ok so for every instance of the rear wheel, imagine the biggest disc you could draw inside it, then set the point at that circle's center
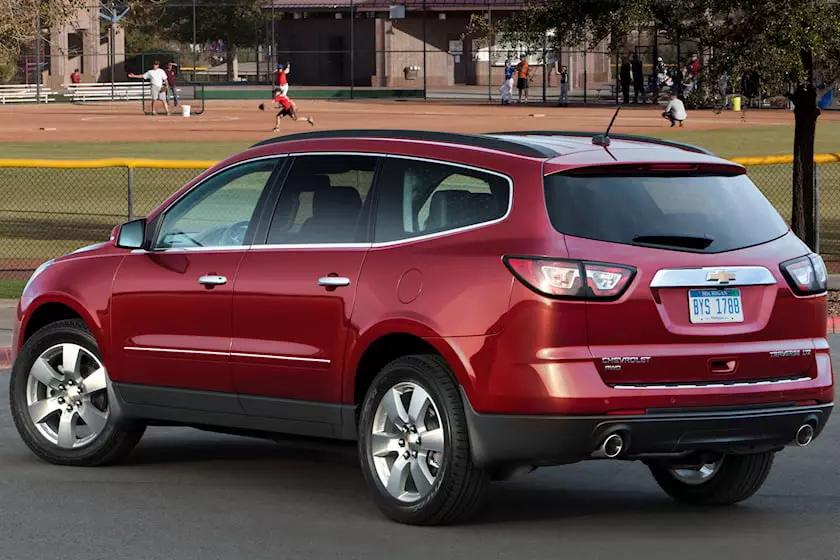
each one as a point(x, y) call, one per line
point(414, 445)
point(722, 482)
point(58, 393)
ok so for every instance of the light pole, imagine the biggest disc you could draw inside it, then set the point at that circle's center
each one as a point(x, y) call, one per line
point(195, 42)
point(38, 57)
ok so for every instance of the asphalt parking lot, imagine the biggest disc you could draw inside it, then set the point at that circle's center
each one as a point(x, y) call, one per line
point(186, 494)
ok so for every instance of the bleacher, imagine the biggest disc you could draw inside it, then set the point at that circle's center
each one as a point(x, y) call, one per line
point(25, 94)
point(119, 91)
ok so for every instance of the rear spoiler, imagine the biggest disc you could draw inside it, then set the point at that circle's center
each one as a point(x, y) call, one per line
point(655, 169)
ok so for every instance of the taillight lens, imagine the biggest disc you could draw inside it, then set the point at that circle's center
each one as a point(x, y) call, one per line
point(806, 275)
point(564, 278)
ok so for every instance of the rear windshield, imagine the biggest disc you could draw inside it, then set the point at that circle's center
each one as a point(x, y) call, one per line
point(708, 214)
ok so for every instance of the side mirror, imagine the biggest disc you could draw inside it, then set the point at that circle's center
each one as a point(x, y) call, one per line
point(132, 235)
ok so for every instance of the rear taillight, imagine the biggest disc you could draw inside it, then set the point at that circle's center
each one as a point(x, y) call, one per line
point(563, 278)
point(806, 275)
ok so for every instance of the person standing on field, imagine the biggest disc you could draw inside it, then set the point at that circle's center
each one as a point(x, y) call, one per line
point(172, 81)
point(506, 90)
point(638, 79)
point(563, 73)
point(157, 79)
point(624, 77)
point(522, 81)
point(282, 77)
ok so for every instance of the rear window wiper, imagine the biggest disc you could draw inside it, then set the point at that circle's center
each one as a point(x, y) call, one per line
point(683, 241)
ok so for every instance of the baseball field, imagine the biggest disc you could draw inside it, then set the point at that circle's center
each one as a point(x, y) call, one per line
point(45, 212)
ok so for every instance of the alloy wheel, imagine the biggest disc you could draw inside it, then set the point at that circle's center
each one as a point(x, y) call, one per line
point(407, 442)
point(66, 396)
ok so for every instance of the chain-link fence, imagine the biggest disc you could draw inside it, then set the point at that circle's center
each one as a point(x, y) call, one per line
point(51, 208)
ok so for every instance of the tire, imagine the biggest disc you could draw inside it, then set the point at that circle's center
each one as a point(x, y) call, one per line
point(457, 486)
point(96, 443)
point(736, 478)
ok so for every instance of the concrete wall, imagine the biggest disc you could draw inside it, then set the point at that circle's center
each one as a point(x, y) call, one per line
point(318, 49)
point(94, 57)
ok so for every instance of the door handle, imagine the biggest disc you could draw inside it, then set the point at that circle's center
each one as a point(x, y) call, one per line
point(212, 280)
point(333, 281)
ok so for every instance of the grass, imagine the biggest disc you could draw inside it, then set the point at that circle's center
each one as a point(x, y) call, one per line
point(754, 141)
point(730, 143)
point(11, 289)
point(93, 150)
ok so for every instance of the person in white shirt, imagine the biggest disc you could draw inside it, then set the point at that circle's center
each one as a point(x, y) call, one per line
point(157, 78)
point(674, 111)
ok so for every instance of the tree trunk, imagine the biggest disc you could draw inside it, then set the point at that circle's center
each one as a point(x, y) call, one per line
point(231, 57)
point(804, 216)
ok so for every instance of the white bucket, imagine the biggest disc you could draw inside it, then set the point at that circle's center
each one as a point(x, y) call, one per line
point(185, 110)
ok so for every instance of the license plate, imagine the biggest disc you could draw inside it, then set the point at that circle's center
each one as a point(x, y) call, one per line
point(715, 306)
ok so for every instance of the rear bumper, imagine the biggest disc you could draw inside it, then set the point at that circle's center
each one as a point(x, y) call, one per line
point(498, 439)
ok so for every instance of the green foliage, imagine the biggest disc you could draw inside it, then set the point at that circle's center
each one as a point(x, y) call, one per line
point(236, 22)
point(8, 67)
point(742, 36)
point(17, 19)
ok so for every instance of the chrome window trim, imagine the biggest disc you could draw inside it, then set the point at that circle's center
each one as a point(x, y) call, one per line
point(383, 244)
point(711, 385)
point(696, 277)
point(377, 245)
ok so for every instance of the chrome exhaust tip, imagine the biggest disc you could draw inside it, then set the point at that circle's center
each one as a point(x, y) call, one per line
point(804, 435)
point(611, 447)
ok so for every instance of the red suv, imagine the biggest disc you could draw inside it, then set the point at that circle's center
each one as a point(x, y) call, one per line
point(466, 307)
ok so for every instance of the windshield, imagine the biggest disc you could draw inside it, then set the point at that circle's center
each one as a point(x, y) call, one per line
point(707, 214)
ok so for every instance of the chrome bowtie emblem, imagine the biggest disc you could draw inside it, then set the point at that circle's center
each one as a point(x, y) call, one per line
point(720, 276)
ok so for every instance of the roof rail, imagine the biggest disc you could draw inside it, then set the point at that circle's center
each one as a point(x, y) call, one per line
point(627, 137)
point(481, 141)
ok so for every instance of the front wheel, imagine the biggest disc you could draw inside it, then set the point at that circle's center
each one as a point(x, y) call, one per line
point(722, 482)
point(414, 446)
point(59, 399)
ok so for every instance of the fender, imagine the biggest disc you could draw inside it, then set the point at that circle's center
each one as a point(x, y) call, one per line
point(29, 307)
point(64, 283)
point(359, 342)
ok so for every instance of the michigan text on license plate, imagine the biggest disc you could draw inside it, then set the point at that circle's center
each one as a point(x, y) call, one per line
point(715, 306)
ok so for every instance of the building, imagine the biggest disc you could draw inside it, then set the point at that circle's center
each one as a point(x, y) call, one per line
point(383, 43)
point(82, 43)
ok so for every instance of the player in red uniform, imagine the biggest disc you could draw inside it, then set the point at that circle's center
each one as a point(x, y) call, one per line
point(282, 78)
point(287, 108)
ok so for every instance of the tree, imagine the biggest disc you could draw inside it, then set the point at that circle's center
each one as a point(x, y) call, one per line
point(17, 19)
point(236, 22)
point(792, 47)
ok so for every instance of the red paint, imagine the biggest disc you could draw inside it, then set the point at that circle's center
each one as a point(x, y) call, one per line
point(158, 304)
point(281, 311)
point(512, 350)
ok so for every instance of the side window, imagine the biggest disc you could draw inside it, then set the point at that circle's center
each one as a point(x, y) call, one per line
point(322, 200)
point(419, 198)
point(219, 211)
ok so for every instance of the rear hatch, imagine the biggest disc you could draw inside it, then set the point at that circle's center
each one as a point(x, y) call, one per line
point(713, 267)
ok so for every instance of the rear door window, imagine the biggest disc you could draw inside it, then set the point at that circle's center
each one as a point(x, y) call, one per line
point(417, 198)
point(709, 214)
